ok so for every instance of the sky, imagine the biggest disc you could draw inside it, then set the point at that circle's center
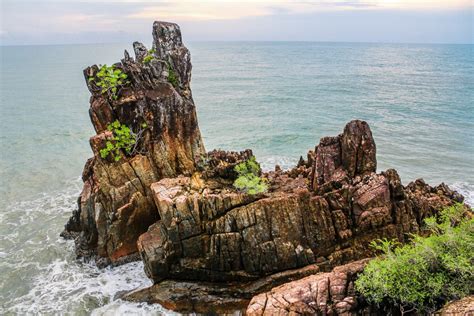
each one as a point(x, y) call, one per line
point(24, 22)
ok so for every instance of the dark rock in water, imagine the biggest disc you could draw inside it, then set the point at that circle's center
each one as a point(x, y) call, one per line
point(209, 247)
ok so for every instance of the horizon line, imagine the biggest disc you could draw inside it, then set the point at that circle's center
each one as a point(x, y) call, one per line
point(244, 41)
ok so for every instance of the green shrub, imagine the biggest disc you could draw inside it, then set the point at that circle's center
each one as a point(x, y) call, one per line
point(110, 80)
point(150, 56)
point(248, 179)
point(124, 139)
point(426, 273)
point(172, 78)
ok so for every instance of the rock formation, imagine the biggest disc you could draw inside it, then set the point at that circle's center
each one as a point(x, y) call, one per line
point(217, 234)
point(208, 246)
point(116, 204)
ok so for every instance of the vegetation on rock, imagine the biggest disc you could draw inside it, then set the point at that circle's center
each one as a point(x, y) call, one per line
point(421, 276)
point(149, 57)
point(172, 78)
point(248, 179)
point(124, 139)
point(110, 79)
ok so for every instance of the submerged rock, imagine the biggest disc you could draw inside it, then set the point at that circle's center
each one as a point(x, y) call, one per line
point(209, 247)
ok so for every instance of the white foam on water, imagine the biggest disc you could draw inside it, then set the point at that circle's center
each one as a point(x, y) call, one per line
point(40, 274)
point(466, 189)
point(269, 163)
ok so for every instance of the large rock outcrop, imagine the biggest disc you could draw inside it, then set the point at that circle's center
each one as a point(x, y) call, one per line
point(116, 204)
point(206, 245)
point(211, 233)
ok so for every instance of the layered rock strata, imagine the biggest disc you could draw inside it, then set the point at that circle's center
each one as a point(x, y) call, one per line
point(211, 233)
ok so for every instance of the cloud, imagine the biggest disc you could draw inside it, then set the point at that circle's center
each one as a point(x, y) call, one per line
point(39, 21)
point(201, 10)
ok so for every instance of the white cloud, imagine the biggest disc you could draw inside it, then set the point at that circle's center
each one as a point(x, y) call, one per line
point(48, 18)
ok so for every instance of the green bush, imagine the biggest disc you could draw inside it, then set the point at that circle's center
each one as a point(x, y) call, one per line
point(124, 139)
point(172, 78)
point(426, 273)
point(110, 80)
point(248, 179)
point(149, 57)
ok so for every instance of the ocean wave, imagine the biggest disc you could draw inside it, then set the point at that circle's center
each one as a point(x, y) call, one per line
point(40, 274)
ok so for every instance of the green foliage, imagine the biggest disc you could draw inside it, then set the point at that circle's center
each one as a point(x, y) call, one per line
point(149, 57)
point(172, 78)
point(429, 271)
point(248, 179)
point(123, 139)
point(110, 79)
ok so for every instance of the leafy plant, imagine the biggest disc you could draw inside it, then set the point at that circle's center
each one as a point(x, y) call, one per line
point(420, 276)
point(124, 139)
point(248, 179)
point(110, 80)
point(150, 56)
point(172, 78)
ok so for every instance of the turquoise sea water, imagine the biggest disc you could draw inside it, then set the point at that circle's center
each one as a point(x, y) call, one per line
point(277, 98)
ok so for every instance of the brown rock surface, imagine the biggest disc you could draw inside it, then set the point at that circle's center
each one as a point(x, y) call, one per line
point(209, 298)
point(343, 157)
point(210, 232)
point(330, 293)
point(116, 205)
point(462, 307)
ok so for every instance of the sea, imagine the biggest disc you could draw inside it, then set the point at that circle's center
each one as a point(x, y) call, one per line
point(277, 98)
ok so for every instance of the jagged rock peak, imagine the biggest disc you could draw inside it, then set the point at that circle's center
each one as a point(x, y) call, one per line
point(166, 38)
point(140, 51)
point(344, 157)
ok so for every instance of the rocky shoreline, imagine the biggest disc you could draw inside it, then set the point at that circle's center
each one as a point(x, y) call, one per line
point(208, 247)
